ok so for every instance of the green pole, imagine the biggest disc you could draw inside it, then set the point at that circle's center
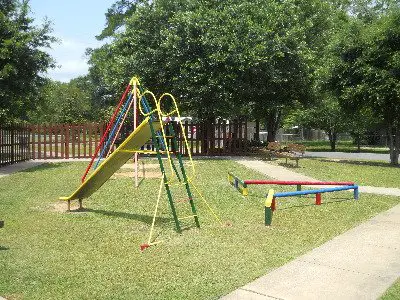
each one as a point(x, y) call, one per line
point(169, 195)
point(189, 193)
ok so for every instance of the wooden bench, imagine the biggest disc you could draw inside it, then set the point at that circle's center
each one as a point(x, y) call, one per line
point(291, 151)
point(273, 149)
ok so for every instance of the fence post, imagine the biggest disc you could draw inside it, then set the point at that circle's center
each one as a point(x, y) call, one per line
point(224, 139)
point(66, 142)
point(32, 139)
point(45, 141)
point(28, 129)
point(39, 141)
point(12, 144)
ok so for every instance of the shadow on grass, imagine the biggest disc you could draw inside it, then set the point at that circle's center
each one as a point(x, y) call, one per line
point(288, 165)
point(360, 163)
point(2, 248)
point(131, 216)
point(43, 167)
point(338, 200)
point(140, 182)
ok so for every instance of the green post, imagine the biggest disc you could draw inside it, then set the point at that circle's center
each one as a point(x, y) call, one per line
point(268, 216)
point(298, 189)
point(189, 193)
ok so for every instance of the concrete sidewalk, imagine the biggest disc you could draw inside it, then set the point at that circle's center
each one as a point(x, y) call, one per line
point(351, 156)
point(362, 263)
point(359, 264)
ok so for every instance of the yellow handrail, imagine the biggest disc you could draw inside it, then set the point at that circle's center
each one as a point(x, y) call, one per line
point(162, 114)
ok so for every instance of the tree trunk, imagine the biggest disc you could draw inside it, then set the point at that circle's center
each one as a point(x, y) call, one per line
point(209, 142)
point(332, 140)
point(394, 145)
point(257, 131)
point(397, 144)
point(273, 122)
point(358, 141)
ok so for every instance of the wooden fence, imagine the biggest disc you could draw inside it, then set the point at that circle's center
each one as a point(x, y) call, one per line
point(14, 144)
point(214, 139)
point(63, 141)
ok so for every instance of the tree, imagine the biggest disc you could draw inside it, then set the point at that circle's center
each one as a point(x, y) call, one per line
point(116, 16)
point(64, 103)
point(327, 115)
point(367, 72)
point(22, 60)
point(360, 124)
point(221, 58)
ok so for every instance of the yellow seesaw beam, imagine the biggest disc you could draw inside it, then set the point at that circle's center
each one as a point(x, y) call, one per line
point(115, 161)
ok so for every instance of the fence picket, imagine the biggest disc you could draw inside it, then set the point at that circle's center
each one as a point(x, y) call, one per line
point(13, 144)
point(65, 141)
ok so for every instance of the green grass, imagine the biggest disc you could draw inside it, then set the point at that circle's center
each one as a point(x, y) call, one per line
point(393, 292)
point(94, 254)
point(342, 146)
point(372, 173)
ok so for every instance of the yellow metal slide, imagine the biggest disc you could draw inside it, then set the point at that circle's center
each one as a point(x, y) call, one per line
point(115, 161)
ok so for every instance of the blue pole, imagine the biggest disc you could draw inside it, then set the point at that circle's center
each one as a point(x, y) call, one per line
point(122, 112)
point(327, 190)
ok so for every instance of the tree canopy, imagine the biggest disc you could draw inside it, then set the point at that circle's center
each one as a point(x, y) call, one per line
point(366, 71)
point(22, 60)
point(338, 60)
point(222, 58)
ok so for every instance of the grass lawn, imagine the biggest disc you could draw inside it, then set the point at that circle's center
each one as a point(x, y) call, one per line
point(47, 253)
point(343, 146)
point(372, 173)
point(393, 292)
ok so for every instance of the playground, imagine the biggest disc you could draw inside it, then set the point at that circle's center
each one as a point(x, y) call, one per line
point(200, 150)
point(94, 252)
point(121, 232)
point(164, 225)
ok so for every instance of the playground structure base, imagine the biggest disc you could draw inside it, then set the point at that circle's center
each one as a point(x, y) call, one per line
point(242, 185)
point(270, 203)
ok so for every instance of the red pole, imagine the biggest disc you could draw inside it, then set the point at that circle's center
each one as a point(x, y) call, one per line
point(318, 199)
point(106, 132)
point(280, 182)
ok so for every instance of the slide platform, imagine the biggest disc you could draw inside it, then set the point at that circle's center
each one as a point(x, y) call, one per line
point(115, 161)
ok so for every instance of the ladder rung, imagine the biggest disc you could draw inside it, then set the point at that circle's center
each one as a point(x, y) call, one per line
point(188, 217)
